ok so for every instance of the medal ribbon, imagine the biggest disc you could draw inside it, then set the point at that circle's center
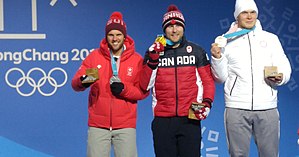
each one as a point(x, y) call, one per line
point(238, 33)
point(170, 43)
point(113, 64)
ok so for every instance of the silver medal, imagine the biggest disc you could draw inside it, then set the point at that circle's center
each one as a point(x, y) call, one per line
point(114, 79)
point(221, 41)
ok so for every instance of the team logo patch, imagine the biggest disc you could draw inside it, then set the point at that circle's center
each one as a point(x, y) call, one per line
point(189, 49)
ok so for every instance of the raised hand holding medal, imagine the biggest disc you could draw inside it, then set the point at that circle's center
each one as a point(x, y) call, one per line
point(155, 51)
point(160, 42)
point(221, 41)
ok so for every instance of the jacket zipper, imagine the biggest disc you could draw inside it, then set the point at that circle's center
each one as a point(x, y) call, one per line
point(110, 128)
point(176, 84)
point(251, 72)
point(112, 100)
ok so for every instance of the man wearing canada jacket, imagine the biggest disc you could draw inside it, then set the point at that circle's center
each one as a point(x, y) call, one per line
point(179, 75)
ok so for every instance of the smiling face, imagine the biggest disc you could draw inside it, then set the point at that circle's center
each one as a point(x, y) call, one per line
point(174, 32)
point(247, 19)
point(115, 39)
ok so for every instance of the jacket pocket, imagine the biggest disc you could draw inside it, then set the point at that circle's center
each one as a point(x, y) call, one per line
point(93, 96)
point(233, 86)
point(271, 91)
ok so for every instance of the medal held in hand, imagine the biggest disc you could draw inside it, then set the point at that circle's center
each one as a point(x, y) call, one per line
point(114, 79)
point(271, 71)
point(221, 41)
point(162, 40)
point(194, 106)
point(92, 75)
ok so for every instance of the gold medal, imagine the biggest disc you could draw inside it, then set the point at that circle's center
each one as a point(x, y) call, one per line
point(161, 39)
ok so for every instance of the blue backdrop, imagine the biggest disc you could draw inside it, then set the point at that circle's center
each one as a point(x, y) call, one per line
point(44, 42)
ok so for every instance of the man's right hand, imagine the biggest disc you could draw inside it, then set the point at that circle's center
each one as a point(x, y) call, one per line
point(87, 80)
point(215, 51)
point(154, 54)
point(157, 47)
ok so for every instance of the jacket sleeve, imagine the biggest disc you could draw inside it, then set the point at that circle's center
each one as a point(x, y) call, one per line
point(76, 82)
point(134, 91)
point(207, 82)
point(219, 68)
point(204, 71)
point(281, 61)
point(147, 75)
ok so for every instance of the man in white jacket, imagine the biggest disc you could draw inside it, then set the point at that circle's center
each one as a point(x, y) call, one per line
point(241, 59)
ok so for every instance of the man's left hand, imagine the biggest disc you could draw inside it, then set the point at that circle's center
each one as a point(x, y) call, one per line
point(202, 113)
point(116, 88)
point(276, 79)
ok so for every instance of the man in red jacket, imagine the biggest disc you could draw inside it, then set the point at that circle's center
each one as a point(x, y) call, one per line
point(112, 103)
point(180, 77)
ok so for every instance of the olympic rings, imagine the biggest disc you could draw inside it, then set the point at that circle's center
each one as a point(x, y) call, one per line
point(35, 84)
